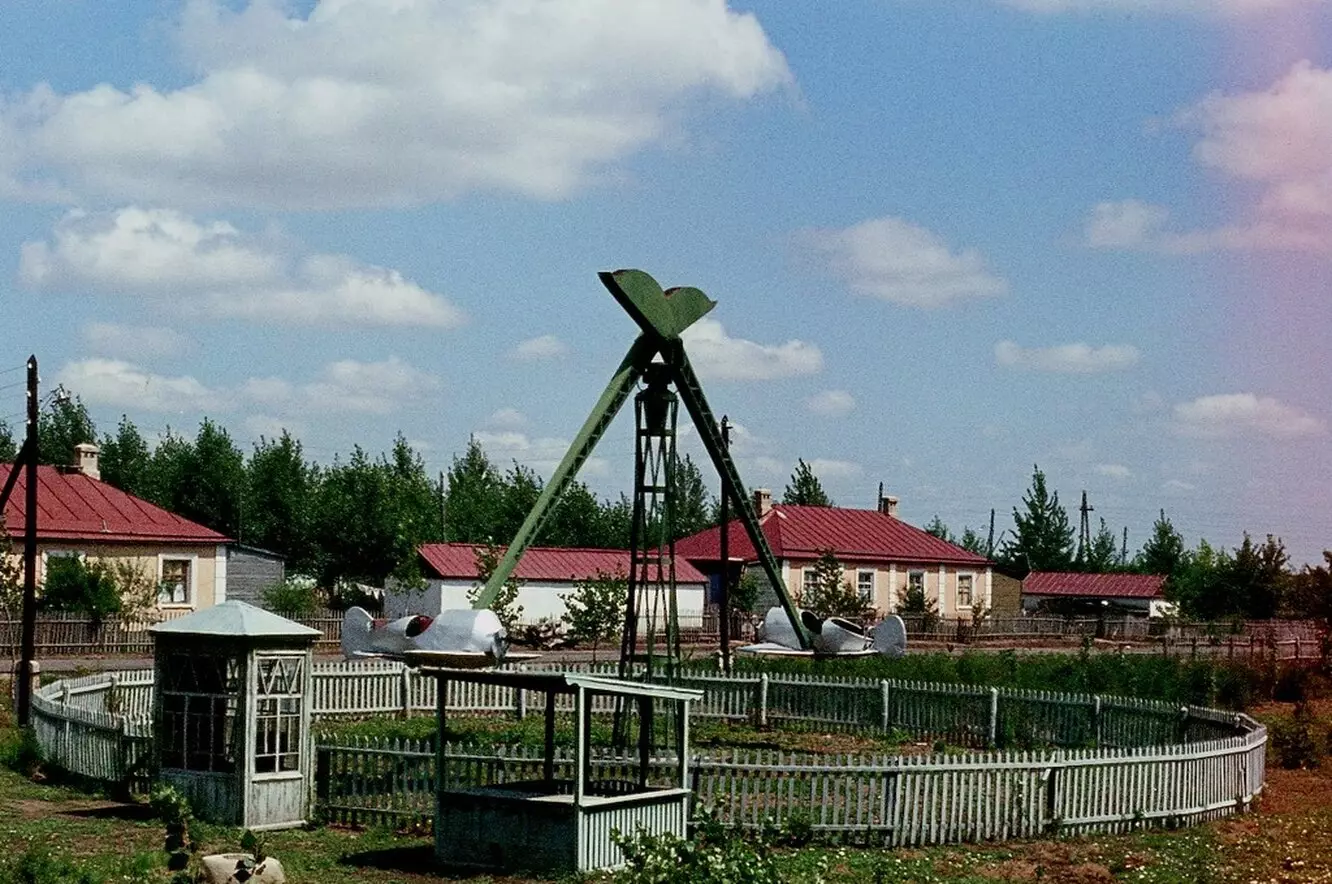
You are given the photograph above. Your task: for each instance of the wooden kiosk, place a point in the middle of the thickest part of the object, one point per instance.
(551, 824)
(231, 714)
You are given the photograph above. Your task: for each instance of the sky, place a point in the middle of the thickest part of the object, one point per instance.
(950, 240)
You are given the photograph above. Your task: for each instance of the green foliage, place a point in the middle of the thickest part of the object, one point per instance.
(475, 497)
(595, 609)
(1043, 538)
(294, 597)
(37, 865)
(280, 493)
(1164, 552)
(64, 424)
(694, 504)
(1102, 554)
(832, 595)
(1214, 585)
(1293, 740)
(712, 856)
(745, 592)
(125, 460)
(973, 542)
(505, 606)
(173, 809)
(22, 753)
(939, 529)
(8, 444)
(75, 586)
(805, 488)
(914, 600)
(11, 573)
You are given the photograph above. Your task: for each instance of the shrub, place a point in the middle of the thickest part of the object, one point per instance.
(712, 856)
(1292, 741)
(295, 597)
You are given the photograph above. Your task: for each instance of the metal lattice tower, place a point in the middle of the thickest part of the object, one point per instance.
(651, 605)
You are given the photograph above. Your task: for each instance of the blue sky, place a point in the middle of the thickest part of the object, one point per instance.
(949, 240)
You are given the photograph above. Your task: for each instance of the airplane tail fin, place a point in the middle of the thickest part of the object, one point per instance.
(356, 627)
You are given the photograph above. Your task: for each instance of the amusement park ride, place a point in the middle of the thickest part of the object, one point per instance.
(659, 367)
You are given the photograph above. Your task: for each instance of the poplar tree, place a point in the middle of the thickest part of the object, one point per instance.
(1043, 539)
(805, 488)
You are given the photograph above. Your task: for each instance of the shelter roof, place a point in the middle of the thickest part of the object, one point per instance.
(557, 682)
(1100, 586)
(75, 507)
(234, 619)
(458, 561)
(804, 532)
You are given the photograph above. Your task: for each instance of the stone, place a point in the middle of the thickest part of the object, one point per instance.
(227, 868)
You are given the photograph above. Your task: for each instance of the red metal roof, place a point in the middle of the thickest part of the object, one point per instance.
(804, 532)
(457, 561)
(1098, 586)
(75, 507)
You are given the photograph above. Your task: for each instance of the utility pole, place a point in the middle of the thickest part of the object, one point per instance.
(989, 544)
(1123, 550)
(443, 510)
(725, 517)
(29, 640)
(1084, 530)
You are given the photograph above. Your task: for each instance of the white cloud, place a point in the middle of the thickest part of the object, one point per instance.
(832, 470)
(388, 102)
(831, 403)
(1225, 8)
(540, 348)
(141, 342)
(214, 269)
(1124, 224)
(1076, 358)
(123, 385)
(1278, 141)
(506, 419)
(268, 427)
(1114, 471)
(542, 454)
(1232, 414)
(897, 261)
(722, 358)
(1178, 486)
(346, 386)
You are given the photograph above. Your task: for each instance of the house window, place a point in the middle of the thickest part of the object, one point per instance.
(174, 586)
(811, 589)
(916, 582)
(865, 585)
(964, 586)
(277, 734)
(199, 712)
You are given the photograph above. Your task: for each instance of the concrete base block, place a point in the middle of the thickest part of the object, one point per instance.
(225, 868)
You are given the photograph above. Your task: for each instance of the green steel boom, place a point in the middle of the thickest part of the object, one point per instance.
(662, 316)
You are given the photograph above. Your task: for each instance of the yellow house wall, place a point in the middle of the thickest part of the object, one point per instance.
(891, 580)
(208, 564)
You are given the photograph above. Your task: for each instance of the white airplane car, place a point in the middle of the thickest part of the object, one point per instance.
(832, 637)
(460, 638)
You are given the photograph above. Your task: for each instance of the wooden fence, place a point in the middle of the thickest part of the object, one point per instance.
(899, 800)
(1132, 762)
(77, 635)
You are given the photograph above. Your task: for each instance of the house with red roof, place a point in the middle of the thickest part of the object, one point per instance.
(1069, 592)
(79, 515)
(881, 554)
(548, 574)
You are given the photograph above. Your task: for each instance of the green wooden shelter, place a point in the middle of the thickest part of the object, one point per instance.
(231, 714)
(556, 825)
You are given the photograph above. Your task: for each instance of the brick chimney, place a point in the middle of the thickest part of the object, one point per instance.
(85, 460)
(888, 504)
(762, 501)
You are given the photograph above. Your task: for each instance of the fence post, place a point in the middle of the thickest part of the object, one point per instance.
(1096, 721)
(994, 718)
(884, 692)
(406, 692)
(520, 701)
(763, 700)
(1297, 647)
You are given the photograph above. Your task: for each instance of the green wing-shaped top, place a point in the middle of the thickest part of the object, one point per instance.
(662, 313)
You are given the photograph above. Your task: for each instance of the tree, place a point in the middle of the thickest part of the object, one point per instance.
(694, 504)
(11, 573)
(939, 529)
(280, 492)
(125, 460)
(1164, 552)
(1200, 585)
(1310, 596)
(831, 595)
(1102, 555)
(505, 606)
(595, 609)
(519, 491)
(972, 542)
(65, 424)
(912, 600)
(1043, 539)
(474, 498)
(75, 586)
(805, 488)
(8, 444)
(1258, 577)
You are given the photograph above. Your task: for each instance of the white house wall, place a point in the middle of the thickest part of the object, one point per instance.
(538, 599)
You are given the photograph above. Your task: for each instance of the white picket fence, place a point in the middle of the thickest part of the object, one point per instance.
(1141, 762)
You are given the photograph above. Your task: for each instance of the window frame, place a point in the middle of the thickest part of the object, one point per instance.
(279, 714)
(181, 715)
(809, 582)
(861, 574)
(912, 575)
(971, 592)
(192, 579)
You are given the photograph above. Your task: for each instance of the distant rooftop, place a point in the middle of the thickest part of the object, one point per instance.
(234, 619)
